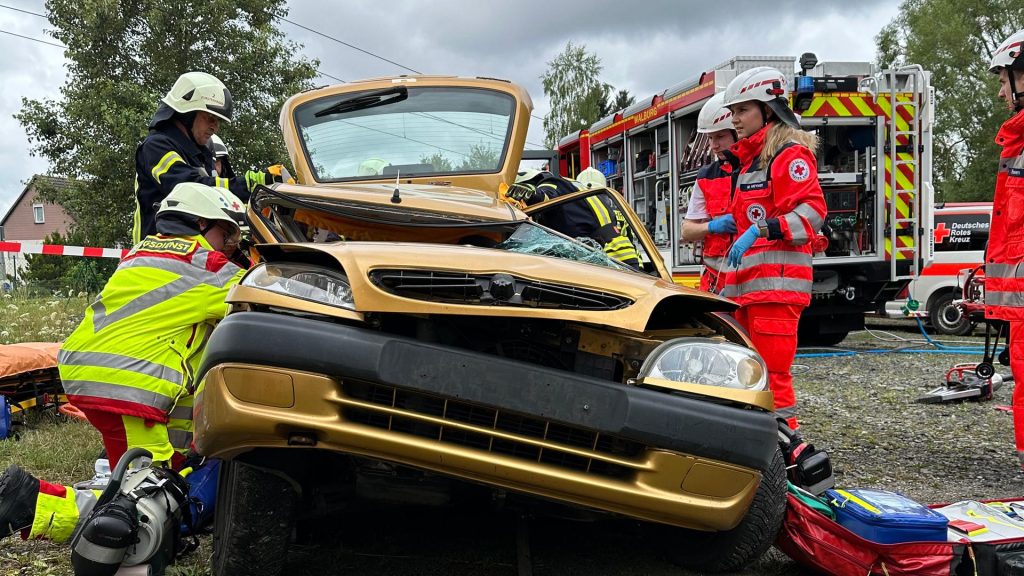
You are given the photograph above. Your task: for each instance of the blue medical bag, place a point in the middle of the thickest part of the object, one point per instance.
(886, 517)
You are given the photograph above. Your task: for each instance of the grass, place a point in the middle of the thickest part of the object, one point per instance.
(27, 319)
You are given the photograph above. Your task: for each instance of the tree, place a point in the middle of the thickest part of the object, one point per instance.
(955, 40)
(578, 98)
(123, 56)
(622, 100)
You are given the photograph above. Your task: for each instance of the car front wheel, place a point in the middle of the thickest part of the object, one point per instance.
(730, 550)
(253, 521)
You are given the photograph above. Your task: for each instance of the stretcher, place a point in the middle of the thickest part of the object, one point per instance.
(28, 379)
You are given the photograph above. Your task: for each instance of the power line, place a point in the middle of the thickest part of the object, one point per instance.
(35, 39)
(352, 46)
(25, 11)
(293, 23)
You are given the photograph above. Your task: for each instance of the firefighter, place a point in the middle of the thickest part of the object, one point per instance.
(707, 214)
(129, 365)
(778, 206)
(593, 217)
(221, 162)
(1004, 286)
(176, 149)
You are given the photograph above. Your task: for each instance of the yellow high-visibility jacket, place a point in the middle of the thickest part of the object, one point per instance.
(138, 348)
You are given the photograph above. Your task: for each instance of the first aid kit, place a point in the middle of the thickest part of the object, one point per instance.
(886, 517)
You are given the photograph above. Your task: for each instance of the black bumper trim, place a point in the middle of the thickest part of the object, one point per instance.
(745, 437)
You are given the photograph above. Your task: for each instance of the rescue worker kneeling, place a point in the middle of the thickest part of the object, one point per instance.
(129, 365)
(592, 217)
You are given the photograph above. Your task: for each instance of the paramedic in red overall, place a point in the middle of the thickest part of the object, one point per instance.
(1004, 274)
(778, 208)
(707, 214)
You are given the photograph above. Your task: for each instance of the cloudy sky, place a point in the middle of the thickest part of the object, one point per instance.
(645, 46)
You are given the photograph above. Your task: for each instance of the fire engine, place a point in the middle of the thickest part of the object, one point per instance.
(874, 164)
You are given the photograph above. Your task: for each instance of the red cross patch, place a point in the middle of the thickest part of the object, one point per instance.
(799, 170)
(756, 213)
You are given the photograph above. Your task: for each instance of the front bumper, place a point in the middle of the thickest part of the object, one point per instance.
(271, 380)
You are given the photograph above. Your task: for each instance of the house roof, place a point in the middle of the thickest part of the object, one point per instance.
(58, 182)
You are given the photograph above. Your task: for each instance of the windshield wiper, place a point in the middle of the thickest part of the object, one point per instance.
(370, 100)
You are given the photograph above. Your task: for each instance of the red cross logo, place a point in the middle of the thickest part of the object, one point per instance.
(756, 213)
(235, 206)
(941, 233)
(800, 171)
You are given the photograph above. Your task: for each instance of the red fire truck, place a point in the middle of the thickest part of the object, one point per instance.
(874, 164)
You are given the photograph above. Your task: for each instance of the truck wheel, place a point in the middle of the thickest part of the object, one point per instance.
(731, 550)
(253, 521)
(946, 318)
(810, 334)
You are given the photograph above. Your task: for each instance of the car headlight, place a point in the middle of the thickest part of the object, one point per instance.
(304, 281)
(701, 361)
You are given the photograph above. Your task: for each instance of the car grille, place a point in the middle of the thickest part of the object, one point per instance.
(493, 289)
(490, 430)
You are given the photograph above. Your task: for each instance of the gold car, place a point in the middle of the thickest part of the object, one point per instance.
(409, 327)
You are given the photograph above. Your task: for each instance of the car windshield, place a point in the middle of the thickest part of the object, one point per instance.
(531, 238)
(406, 132)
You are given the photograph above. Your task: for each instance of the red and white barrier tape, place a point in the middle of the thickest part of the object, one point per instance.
(58, 250)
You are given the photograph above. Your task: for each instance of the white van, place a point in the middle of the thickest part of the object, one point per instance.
(960, 235)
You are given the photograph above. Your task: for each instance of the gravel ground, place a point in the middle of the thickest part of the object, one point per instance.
(859, 408)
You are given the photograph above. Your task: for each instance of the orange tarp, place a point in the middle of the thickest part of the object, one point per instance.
(26, 357)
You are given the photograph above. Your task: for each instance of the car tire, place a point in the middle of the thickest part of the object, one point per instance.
(945, 318)
(253, 521)
(733, 549)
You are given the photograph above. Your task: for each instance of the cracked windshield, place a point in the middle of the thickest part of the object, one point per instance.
(406, 132)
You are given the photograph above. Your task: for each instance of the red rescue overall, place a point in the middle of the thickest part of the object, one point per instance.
(714, 183)
(1004, 276)
(773, 281)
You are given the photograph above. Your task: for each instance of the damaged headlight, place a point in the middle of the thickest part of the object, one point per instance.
(312, 283)
(700, 361)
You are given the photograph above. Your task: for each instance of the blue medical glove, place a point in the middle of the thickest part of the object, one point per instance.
(722, 225)
(742, 244)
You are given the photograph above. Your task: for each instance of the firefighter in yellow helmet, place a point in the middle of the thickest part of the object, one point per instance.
(592, 217)
(177, 148)
(129, 365)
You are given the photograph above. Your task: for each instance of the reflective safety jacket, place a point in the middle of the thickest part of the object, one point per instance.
(715, 185)
(137, 350)
(166, 158)
(787, 194)
(592, 217)
(1004, 273)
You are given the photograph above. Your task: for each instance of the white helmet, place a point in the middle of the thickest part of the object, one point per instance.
(199, 91)
(762, 84)
(1008, 53)
(592, 178)
(714, 116)
(527, 175)
(202, 201)
(219, 148)
(371, 167)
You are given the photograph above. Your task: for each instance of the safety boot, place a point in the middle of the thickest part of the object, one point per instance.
(18, 493)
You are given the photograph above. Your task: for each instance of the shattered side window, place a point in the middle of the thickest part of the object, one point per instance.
(530, 238)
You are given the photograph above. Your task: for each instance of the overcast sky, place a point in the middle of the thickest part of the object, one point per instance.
(645, 46)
